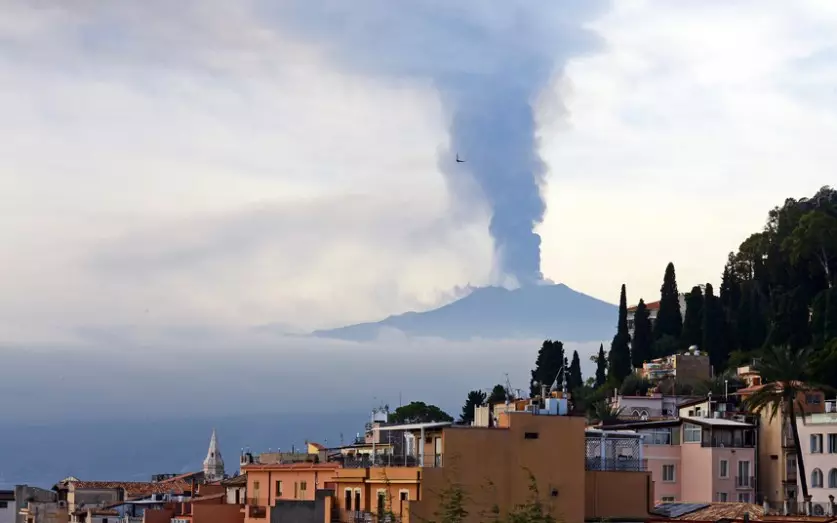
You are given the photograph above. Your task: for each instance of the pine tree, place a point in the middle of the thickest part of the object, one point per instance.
(620, 352)
(601, 367)
(547, 366)
(693, 323)
(643, 337)
(669, 319)
(575, 379)
(713, 331)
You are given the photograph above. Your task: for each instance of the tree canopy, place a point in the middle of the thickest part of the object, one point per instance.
(419, 412)
(669, 319)
(619, 365)
(643, 338)
(547, 366)
(476, 398)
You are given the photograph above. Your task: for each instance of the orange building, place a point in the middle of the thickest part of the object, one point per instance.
(493, 466)
(269, 483)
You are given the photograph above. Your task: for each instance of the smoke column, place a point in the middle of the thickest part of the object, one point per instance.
(489, 60)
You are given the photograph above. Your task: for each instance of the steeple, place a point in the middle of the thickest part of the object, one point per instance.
(213, 465)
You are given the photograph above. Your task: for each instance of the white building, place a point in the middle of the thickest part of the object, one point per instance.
(818, 439)
(8, 508)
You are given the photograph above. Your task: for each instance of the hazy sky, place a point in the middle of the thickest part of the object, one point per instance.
(218, 164)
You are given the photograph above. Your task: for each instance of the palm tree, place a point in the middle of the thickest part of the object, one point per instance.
(785, 373)
(601, 411)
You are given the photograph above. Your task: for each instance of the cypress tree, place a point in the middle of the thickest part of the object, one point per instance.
(669, 319)
(575, 379)
(713, 330)
(693, 323)
(547, 366)
(751, 318)
(643, 338)
(620, 352)
(601, 367)
(790, 325)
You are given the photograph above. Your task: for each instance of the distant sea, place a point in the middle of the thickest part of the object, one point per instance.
(128, 449)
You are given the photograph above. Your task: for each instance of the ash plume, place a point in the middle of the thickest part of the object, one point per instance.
(488, 61)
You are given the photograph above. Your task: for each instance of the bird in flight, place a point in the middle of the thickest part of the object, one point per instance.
(458, 160)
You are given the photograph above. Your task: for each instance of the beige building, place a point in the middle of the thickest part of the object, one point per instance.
(777, 474)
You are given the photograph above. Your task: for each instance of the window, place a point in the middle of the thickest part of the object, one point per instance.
(404, 495)
(813, 399)
(4, 504)
(104, 520)
(296, 490)
(347, 499)
(744, 474)
(832, 478)
(530, 435)
(691, 433)
(816, 443)
(656, 437)
(668, 473)
(303, 485)
(668, 499)
(832, 443)
(278, 489)
(722, 497)
(381, 502)
(724, 468)
(743, 497)
(816, 478)
(357, 499)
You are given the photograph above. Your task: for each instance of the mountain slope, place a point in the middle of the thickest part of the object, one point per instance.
(538, 311)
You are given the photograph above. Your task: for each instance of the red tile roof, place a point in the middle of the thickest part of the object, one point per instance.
(652, 306)
(135, 488)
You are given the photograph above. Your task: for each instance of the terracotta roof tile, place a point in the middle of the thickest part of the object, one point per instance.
(136, 488)
(651, 306)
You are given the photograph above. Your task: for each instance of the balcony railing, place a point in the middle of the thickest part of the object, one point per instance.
(354, 516)
(254, 509)
(430, 460)
(745, 482)
(735, 443)
(610, 464)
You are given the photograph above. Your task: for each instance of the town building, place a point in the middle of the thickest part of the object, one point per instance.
(653, 406)
(777, 471)
(8, 508)
(818, 439)
(26, 495)
(687, 368)
(705, 454)
(213, 465)
(653, 309)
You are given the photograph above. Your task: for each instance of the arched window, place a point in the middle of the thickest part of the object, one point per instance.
(818, 510)
(635, 413)
(643, 415)
(832, 478)
(816, 478)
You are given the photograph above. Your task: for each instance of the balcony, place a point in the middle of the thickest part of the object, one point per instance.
(430, 460)
(734, 443)
(254, 510)
(618, 464)
(355, 516)
(745, 482)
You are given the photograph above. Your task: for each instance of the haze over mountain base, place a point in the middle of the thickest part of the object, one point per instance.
(552, 311)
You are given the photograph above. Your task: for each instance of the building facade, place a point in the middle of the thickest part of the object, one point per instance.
(213, 465)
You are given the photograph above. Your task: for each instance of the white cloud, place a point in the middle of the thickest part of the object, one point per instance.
(697, 119)
(209, 169)
(227, 176)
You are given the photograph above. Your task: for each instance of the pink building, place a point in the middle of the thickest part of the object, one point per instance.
(699, 459)
(818, 438)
